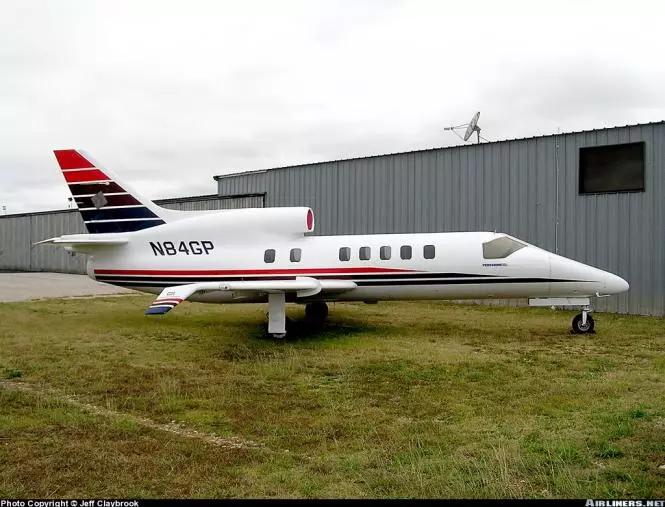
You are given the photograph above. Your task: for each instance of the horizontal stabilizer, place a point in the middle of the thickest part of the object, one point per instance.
(82, 241)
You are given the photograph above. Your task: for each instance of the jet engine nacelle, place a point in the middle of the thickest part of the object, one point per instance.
(243, 223)
(268, 220)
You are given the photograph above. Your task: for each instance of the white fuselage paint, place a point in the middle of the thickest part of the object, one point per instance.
(458, 270)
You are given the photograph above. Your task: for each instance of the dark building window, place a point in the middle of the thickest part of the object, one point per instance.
(345, 253)
(269, 256)
(405, 252)
(429, 252)
(614, 168)
(296, 253)
(365, 253)
(384, 253)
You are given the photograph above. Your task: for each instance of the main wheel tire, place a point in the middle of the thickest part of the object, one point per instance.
(579, 328)
(316, 312)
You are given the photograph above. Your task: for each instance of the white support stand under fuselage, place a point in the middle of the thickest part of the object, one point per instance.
(562, 301)
(277, 313)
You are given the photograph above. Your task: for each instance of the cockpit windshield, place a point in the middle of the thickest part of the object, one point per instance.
(501, 247)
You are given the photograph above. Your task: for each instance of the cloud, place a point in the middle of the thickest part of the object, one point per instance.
(169, 94)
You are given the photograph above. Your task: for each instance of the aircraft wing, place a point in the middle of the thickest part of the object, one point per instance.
(170, 297)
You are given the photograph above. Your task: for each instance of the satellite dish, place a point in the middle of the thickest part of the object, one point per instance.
(473, 127)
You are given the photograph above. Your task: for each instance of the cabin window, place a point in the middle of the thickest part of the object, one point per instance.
(365, 253)
(501, 248)
(405, 252)
(295, 255)
(345, 253)
(269, 256)
(384, 253)
(613, 168)
(429, 251)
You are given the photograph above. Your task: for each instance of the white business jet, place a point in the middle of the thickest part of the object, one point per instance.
(263, 255)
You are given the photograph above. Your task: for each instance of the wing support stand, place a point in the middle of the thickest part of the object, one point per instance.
(277, 314)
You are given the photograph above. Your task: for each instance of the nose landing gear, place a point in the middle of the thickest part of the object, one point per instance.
(583, 322)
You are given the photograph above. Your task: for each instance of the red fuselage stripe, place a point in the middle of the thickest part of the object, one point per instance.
(293, 272)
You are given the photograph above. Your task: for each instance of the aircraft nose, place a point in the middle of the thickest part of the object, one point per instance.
(615, 284)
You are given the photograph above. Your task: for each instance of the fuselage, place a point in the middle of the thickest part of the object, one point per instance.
(252, 255)
(460, 265)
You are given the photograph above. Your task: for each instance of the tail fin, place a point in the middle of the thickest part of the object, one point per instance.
(106, 205)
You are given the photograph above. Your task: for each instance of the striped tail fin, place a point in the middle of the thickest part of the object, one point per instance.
(105, 204)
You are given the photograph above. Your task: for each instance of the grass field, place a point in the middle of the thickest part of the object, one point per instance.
(389, 400)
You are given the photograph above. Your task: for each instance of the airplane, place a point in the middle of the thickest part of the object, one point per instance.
(259, 255)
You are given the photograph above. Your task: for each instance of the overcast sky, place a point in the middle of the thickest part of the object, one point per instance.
(169, 94)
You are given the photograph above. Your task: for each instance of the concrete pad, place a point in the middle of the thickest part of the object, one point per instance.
(26, 286)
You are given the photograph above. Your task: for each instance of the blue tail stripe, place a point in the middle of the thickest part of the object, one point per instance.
(120, 226)
(117, 213)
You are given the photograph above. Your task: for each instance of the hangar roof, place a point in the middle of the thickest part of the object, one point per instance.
(257, 171)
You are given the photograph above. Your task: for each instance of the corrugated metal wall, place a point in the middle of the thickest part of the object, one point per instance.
(19, 232)
(509, 186)
(213, 202)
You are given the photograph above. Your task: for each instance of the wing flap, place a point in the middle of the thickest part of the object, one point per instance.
(337, 285)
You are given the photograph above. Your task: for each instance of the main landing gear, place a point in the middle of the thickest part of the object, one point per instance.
(316, 312)
(278, 323)
(582, 322)
(277, 315)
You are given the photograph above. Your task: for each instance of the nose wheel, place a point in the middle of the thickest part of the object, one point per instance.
(583, 322)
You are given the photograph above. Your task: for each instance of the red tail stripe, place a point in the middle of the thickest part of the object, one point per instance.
(85, 176)
(168, 300)
(71, 159)
(293, 272)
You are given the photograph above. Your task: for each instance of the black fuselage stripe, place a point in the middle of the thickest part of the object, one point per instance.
(380, 283)
(213, 278)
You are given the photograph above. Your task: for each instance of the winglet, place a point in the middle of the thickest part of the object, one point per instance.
(171, 297)
(161, 305)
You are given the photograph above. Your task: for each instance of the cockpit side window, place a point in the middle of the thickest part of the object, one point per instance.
(500, 248)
